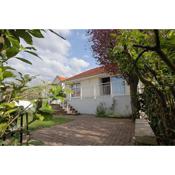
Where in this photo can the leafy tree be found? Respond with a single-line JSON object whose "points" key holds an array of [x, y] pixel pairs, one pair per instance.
{"points": [[103, 42], [11, 90], [147, 56], [57, 93], [154, 65]]}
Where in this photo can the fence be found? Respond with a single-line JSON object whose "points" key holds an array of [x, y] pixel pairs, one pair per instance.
{"points": [[17, 131]]}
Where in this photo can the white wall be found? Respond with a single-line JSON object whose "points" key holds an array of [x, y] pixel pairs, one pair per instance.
{"points": [[88, 87], [122, 105], [90, 98]]}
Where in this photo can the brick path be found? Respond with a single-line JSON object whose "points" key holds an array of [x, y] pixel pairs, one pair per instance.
{"points": [[88, 130]]}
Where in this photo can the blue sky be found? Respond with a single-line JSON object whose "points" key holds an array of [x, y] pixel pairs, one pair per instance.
{"points": [[81, 46], [59, 57]]}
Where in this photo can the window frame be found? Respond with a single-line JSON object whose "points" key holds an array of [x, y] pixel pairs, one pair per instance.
{"points": [[123, 87], [76, 88]]}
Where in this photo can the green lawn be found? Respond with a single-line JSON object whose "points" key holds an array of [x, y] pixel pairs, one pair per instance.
{"points": [[38, 124], [48, 123], [51, 121]]}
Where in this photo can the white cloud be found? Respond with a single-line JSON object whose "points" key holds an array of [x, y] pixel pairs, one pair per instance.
{"points": [[52, 44], [78, 63], [64, 33], [55, 59]]}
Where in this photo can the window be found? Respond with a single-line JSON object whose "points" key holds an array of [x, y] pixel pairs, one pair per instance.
{"points": [[76, 90], [105, 87], [118, 85]]}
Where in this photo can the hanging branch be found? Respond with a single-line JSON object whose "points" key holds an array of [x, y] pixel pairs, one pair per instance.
{"points": [[149, 83], [148, 48], [138, 57], [157, 49]]}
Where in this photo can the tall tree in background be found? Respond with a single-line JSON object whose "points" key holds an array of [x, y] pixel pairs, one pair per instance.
{"points": [[102, 44]]}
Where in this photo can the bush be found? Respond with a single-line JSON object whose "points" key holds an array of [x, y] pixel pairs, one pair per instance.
{"points": [[101, 110]]}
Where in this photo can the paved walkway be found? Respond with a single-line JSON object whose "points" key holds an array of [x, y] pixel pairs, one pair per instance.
{"points": [[88, 130]]}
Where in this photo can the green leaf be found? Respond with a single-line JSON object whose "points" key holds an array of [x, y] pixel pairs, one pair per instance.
{"points": [[24, 60], [8, 67], [46, 108], [36, 33], [3, 127], [7, 43], [25, 36], [113, 35], [39, 116], [30, 48], [57, 34], [8, 74], [32, 53], [10, 105], [11, 111], [14, 42], [11, 52]]}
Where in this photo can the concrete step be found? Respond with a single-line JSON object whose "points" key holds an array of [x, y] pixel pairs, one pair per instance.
{"points": [[60, 109], [144, 134]]}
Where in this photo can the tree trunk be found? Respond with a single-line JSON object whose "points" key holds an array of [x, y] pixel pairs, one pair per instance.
{"points": [[134, 97]]}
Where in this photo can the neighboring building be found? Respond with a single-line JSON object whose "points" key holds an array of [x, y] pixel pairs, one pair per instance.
{"points": [[59, 80], [95, 86]]}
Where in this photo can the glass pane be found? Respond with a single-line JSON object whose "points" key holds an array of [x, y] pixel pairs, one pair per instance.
{"points": [[118, 85], [76, 90]]}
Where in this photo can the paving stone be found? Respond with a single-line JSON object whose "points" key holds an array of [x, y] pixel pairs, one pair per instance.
{"points": [[88, 130]]}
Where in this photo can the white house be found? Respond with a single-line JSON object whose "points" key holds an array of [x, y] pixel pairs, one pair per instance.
{"points": [[95, 86]]}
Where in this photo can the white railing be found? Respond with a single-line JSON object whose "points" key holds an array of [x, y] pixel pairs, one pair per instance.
{"points": [[94, 91], [105, 89], [101, 89]]}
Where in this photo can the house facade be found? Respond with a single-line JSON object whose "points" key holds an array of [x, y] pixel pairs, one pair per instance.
{"points": [[96, 86]]}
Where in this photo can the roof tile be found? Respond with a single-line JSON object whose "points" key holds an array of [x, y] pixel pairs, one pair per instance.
{"points": [[60, 78], [88, 73]]}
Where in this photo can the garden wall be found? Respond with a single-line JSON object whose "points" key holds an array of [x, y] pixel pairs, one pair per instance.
{"points": [[121, 104]]}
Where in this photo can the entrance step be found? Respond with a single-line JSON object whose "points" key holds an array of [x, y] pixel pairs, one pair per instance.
{"points": [[64, 109]]}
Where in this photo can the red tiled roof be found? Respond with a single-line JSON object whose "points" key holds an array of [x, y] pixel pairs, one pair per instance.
{"points": [[88, 73], [60, 78]]}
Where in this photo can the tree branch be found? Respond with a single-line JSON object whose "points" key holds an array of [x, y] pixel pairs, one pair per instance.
{"points": [[157, 39], [158, 50], [148, 48], [127, 53], [153, 73], [149, 83], [166, 60], [140, 54]]}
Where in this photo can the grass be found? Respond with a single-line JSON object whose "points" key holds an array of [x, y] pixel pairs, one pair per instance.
{"points": [[51, 121], [38, 124], [36, 143]]}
